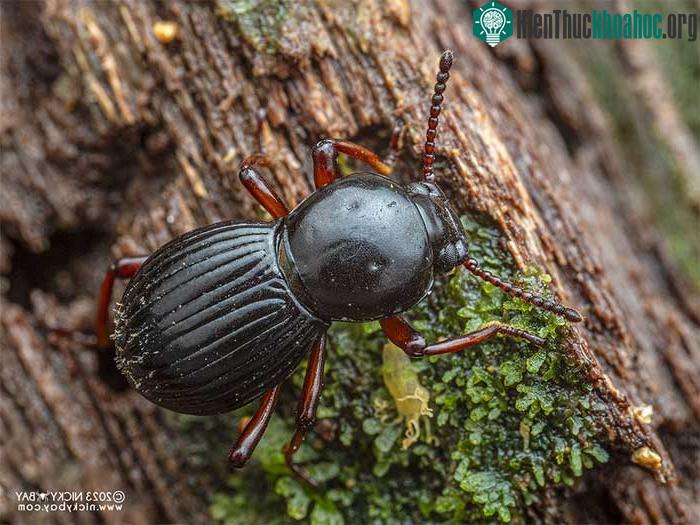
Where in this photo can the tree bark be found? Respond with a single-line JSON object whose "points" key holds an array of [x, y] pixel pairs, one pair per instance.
{"points": [[113, 142]]}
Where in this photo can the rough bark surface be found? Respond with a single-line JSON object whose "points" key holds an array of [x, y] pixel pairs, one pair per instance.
{"points": [[113, 142]]}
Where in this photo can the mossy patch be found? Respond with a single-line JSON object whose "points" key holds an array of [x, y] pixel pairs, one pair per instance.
{"points": [[509, 420]]}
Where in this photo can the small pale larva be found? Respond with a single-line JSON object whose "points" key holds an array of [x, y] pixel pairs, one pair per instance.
{"points": [[410, 396]]}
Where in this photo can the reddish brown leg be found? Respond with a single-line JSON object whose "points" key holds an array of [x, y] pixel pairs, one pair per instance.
{"points": [[240, 452], [123, 268], [263, 131], [258, 186], [394, 144], [306, 409], [413, 343], [325, 155]]}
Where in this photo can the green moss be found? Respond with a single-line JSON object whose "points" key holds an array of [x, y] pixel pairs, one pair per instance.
{"points": [[509, 420]]}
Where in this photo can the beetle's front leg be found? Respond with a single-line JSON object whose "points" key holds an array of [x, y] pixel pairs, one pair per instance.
{"points": [[250, 437], [306, 409], [413, 343], [325, 158], [258, 186], [394, 144]]}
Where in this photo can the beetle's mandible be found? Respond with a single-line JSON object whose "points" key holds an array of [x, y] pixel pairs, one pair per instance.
{"points": [[221, 316]]}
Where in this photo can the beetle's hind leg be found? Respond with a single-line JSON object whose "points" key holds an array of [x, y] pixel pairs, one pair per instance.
{"points": [[250, 437], [306, 409], [259, 188], [413, 343], [124, 268]]}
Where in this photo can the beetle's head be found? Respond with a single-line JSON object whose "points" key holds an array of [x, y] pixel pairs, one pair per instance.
{"points": [[445, 231]]}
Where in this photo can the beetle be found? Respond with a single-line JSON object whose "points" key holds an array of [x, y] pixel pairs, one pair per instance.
{"points": [[222, 315]]}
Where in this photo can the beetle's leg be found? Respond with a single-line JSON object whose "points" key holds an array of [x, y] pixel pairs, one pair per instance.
{"points": [[394, 144], [263, 131], [258, 186], [123, 268], [242, 450], [325, 155], [306, 409], [413, 343]]}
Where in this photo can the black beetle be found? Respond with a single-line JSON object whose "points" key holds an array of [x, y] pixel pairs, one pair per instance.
{"points": [[223, 315]]}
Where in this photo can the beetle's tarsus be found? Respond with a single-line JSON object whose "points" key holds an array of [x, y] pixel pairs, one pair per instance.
{"points": [[299, 471], [289, 450], [521, 334], [394, 144]]}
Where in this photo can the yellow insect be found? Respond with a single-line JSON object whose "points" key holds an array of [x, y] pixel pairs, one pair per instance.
{"points": [[410, 396]]}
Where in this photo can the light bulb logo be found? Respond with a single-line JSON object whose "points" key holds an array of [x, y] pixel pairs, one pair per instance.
{"points": [[493, 23], [492, 20]]}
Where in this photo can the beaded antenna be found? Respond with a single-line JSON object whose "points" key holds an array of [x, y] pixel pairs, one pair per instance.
{"points": [[429, 157]]}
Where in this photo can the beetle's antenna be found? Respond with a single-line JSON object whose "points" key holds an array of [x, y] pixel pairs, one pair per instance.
{"points": [[535, 300], [440, 85]]}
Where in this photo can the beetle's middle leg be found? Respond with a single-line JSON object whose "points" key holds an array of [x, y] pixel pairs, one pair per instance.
{"points": [[413, 343], [306, 409], [258, 186]]}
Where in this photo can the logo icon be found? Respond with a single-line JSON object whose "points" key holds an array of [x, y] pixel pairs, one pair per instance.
{"points": [[493, 23]]}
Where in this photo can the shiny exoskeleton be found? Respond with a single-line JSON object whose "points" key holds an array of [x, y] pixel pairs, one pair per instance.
{"points": [[366, 247], [223, 315]]}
